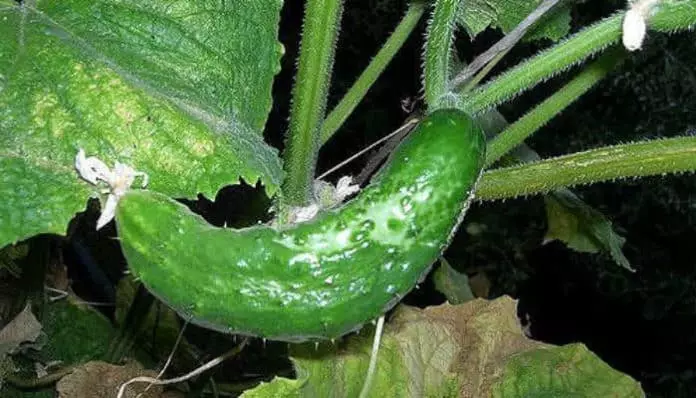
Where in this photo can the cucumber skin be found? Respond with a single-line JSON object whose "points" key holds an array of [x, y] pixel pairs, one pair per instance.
{"points": [[323, 278]]}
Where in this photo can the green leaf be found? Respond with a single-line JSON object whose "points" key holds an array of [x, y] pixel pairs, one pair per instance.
{"points": [[10, 256], [568, 371], [477, 15], [280, 387], [452, 283], [76, 332], [472, 350], [177, 89], [581, 227], [10, 391]]}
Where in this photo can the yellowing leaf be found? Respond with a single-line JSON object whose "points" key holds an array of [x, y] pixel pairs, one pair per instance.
{"points": [[476, 349], [452, 283]]}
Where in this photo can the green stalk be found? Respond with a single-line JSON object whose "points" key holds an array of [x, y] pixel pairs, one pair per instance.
{"points": [[475, 80], [438, 54], [638, 159], [357, 92], [320, 31], [668, 17], [525, 126]]}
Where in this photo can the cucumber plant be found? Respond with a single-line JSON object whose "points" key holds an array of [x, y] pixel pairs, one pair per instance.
{"points": [[325, 278], [193, 129]]}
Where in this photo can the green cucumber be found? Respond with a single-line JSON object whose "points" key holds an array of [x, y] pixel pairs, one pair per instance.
{"points": [[322, 278]]}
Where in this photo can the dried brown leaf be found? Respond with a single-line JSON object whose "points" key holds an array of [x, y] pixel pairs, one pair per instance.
{"points": [[23, 328], [477, 339], [98, 379]]}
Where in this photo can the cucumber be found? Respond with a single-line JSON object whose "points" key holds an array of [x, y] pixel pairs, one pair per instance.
{"points": [[323, 278]]}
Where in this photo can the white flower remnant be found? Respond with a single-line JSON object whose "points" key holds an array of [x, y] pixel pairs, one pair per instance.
{"points": [[92, 169], [344, 188], [302, 214], [634, 25], [326, 197]]}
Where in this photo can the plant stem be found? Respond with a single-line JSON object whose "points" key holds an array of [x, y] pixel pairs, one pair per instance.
{"points": [[484, 71], [25, 383], [320, 31], [374, 69], [668, 17], [525, 126], [438, 53], [638, 159]]}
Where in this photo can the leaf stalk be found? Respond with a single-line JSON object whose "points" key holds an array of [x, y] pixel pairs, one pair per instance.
{"points": [[531, 122]]}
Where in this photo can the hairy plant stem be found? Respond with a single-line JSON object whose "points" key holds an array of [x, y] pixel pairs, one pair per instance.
{"points": [[438, 54], [374, 69], [319, 34], [667, 17], [525, 126], [484, 71], [638, 159]]}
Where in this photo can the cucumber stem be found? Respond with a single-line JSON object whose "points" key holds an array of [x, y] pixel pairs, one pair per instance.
{"points": [[438, 54], [320, 32]]}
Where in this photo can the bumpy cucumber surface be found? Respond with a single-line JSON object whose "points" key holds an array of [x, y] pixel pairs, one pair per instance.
{"points": [[323, 278]]}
